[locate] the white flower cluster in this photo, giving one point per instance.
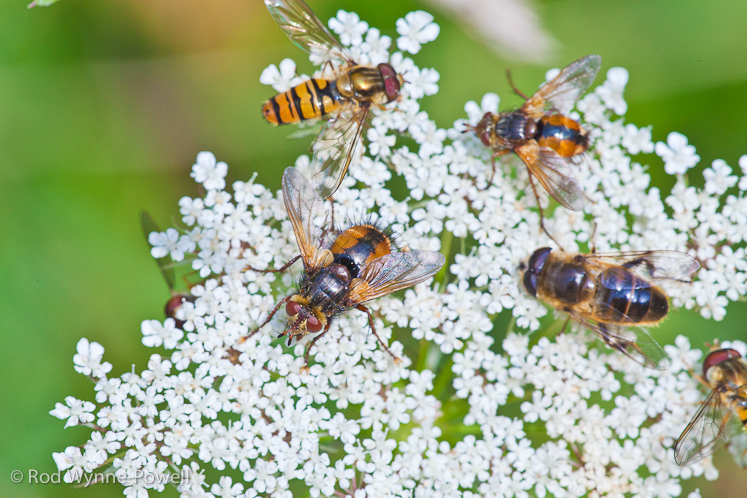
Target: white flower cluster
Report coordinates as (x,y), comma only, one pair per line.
(471,410)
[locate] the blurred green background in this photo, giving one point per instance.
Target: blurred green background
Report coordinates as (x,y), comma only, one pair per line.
(104,106)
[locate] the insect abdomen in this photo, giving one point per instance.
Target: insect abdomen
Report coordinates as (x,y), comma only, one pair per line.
(358,245)
(631,300)
(311,99)
(563,135)
(567,283)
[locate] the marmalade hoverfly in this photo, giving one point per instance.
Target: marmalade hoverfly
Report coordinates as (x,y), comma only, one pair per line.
(348,96)
(723,413)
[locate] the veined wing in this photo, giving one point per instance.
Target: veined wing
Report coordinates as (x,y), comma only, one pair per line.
(302,204)
(562,92)
(305,29)
(554,173)
(164,264)
(393,272)
(651,267)
(631,340)
(334,148)
(705,433)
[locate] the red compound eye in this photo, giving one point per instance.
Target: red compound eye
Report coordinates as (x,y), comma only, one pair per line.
(313,324)
(717,357)
(292,308)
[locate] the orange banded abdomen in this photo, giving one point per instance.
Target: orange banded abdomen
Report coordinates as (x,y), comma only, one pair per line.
(311,99)
(359,245)
(564,135)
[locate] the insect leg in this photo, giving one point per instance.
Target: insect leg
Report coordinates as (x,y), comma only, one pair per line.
(562,330)
(373,329)
(331,226)
(496,154)
(242,340)
(542,214)
(513,87)
(311,344)
(281,269)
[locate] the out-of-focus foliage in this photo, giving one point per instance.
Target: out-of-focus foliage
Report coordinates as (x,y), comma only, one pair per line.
(104,105)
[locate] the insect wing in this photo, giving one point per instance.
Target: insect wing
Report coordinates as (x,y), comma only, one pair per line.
(651,267)
(393,272)
(631,340)
(302,205)
(554,173)
(164,264)
(334,149)
(305,29)
(562,92)
(705,433)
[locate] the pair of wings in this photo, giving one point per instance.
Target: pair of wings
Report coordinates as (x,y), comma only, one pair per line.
(379,277)
(710,427)
(558,96)
(335,145)
(651,268)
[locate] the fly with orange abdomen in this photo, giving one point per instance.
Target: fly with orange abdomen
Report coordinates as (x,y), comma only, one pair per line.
(541,134)
(356,266)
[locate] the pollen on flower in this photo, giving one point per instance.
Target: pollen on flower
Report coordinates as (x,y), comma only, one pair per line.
(487,399)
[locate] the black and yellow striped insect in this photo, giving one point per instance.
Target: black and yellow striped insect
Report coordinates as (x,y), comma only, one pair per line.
(357,265)
(612,294)
(347,95)
(723,413)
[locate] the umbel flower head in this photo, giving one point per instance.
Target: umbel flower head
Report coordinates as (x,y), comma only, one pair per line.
(473,409)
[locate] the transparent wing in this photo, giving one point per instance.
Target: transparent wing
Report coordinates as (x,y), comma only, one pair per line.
(305,29)
(164,264)
(651,267)
(302,204)
(334,149)
(631,340)
(393,272)
(562,92)
(554,173)
(705,433)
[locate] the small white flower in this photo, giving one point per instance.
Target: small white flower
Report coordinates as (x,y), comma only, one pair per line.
(76,412)
(611,91)
(678,156)
(349,27)
(88,359)
(156,334)
(282,79)
(209,172)
(415,29)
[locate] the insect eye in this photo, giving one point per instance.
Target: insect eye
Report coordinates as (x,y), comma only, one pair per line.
(292,308)
(313,324)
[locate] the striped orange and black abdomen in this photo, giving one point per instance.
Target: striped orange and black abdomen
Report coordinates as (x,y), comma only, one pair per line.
(359,245)
(626,298)
(311,99)
(563,135)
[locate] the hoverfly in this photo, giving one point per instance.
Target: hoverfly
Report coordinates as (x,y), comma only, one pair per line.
(166,266)
(348,96)
(612,294)
(357,266)
(723,411)
(542,136)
